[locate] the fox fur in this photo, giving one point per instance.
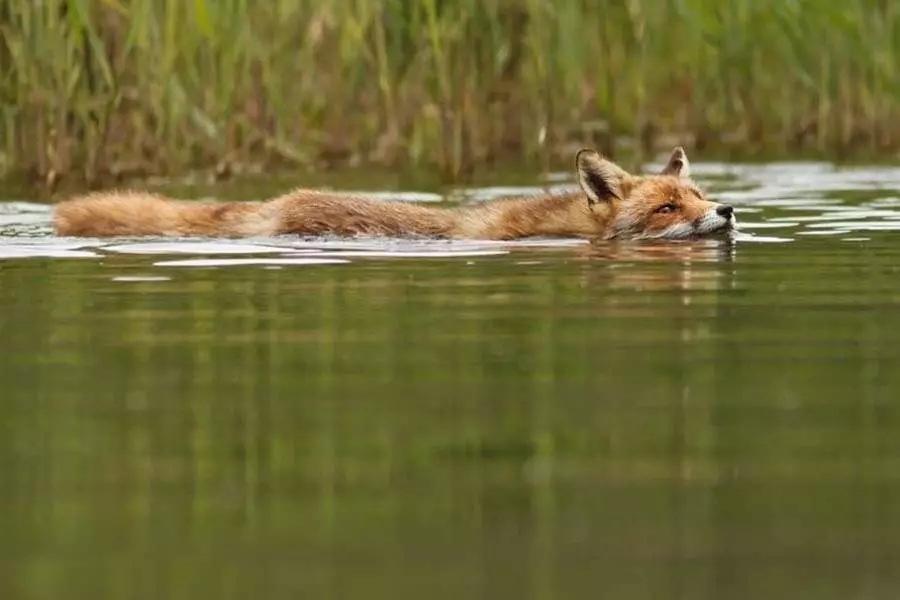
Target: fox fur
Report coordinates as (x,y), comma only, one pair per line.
(609,203)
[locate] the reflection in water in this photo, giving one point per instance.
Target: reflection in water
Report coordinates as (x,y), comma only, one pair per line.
(661,265)
(661,251)
(341,418)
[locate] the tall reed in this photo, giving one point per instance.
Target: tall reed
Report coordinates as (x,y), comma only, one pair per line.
(98,89)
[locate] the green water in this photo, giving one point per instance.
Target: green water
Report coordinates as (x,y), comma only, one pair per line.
(395,420)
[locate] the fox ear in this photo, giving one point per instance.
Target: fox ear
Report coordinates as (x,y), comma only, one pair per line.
(677,164)
(601,179)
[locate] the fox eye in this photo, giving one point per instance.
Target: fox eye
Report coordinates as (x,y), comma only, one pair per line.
(666,208)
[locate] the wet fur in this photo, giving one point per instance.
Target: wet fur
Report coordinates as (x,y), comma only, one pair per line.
(610,204)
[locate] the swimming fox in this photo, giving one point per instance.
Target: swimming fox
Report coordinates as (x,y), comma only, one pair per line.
(610,204)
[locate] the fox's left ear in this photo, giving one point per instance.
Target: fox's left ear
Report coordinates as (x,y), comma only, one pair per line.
(600,178)
(677,164)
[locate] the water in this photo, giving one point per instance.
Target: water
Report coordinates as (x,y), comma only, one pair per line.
(337,419)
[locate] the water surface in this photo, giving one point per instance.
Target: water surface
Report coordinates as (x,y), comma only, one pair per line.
(284,418)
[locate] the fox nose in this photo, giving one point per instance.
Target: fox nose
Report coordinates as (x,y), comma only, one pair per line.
(725,211)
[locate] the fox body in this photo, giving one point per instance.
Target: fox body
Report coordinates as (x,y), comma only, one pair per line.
(610,203)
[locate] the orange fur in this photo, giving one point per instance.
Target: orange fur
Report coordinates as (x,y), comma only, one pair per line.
(611,203)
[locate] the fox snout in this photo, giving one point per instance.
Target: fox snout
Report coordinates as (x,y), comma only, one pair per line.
(718,218)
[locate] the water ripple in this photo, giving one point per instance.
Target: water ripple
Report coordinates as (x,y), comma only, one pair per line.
(191,247)
(232,262)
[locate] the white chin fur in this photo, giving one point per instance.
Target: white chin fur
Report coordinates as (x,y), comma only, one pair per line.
(709,223)
(678,231)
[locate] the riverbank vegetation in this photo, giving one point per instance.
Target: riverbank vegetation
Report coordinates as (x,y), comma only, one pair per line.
(99,90)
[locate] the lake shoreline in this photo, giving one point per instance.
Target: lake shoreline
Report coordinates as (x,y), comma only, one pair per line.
(126,91)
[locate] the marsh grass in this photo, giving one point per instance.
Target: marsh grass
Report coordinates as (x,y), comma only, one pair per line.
(99,89)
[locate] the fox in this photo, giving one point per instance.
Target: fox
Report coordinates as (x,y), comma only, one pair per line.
(608,203)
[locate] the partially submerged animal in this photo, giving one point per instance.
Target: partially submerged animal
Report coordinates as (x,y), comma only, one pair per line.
(610,204)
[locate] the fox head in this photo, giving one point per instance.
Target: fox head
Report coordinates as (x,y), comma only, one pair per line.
(666,205)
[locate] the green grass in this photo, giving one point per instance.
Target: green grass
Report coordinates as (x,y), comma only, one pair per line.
(92,90)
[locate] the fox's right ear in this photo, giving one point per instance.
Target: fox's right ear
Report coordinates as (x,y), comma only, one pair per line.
(677,164)
(601,179)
